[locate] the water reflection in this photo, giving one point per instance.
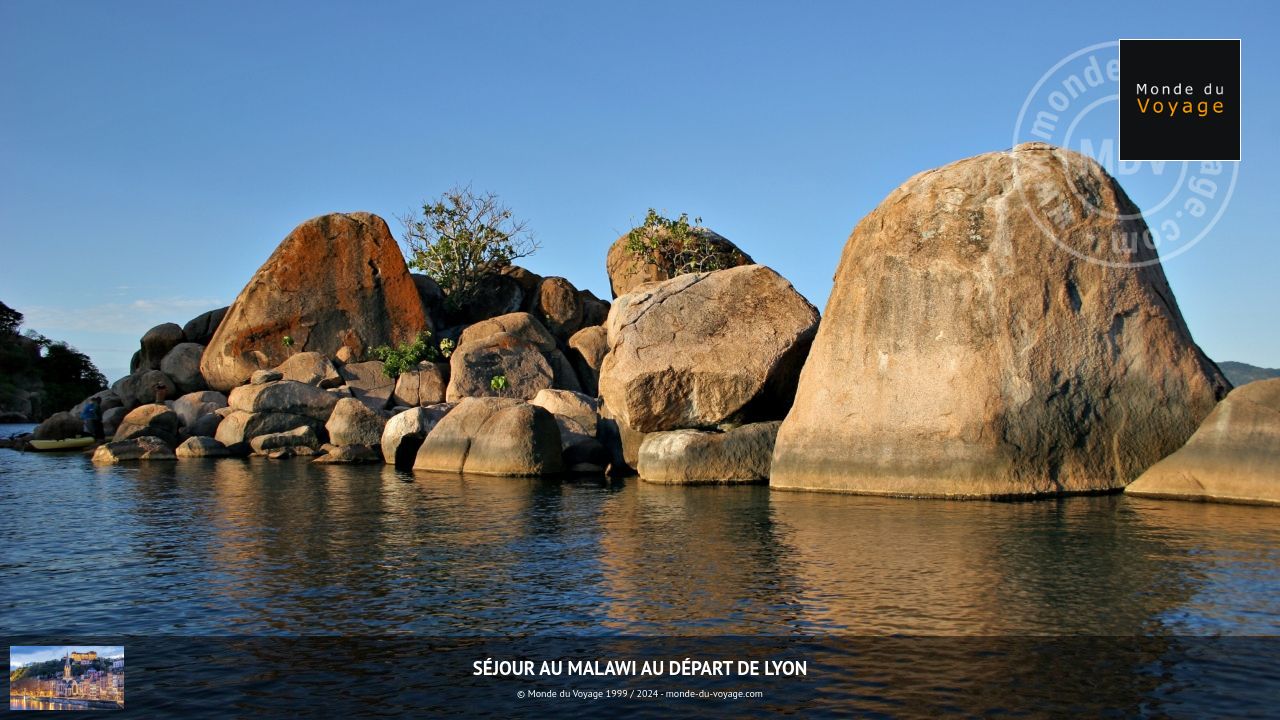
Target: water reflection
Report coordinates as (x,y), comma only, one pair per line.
(215,547)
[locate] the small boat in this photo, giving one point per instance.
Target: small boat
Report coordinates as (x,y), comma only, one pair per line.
(53,445)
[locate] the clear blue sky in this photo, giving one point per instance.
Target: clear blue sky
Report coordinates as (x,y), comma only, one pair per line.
(152,154)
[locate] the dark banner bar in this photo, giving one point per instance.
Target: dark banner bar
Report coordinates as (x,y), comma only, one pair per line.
(662,677)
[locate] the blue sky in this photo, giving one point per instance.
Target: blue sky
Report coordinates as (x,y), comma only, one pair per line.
(20,655)
(152,154)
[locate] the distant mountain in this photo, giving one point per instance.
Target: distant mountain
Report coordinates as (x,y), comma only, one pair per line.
(1240,373)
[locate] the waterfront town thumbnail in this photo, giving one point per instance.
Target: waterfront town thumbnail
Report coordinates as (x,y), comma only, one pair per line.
(81,679)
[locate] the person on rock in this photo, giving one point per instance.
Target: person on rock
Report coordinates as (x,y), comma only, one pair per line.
(92,417)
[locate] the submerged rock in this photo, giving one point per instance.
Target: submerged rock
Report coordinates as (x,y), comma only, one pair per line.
(138,448)
(965,354)
(686,457)
(201,447)
(1233,457)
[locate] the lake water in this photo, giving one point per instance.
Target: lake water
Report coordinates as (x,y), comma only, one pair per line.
(284,548)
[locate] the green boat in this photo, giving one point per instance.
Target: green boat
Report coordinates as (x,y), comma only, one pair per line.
(55,445)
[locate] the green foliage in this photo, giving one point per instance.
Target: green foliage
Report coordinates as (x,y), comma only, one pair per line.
(677,246)
(406,356)
(497,383)
(446,347)
(287,340)
(462,238)
(59,375)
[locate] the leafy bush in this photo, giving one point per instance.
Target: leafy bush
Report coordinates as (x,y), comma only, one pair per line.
(462,238)
(406,356)
(498,383)
(677,246)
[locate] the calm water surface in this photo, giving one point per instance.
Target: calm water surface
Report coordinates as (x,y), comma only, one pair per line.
(259,547)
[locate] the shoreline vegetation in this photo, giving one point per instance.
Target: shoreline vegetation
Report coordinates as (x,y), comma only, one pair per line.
(960,355)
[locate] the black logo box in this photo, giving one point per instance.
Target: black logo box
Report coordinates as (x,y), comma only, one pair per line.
(1180,65)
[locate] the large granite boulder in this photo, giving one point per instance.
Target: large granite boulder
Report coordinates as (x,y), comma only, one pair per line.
(337,281)
(298,437)
(152,420)
(627,270)
(520,324)
(493,436)
(705,349)
(141,387)
(138,448)
(312,368)
(964,353)
(182,366)
(200,329)
(156,343)
(594,310)
(582,410)
(404,433)
(587,349)
(559,305)
(241,427)
(368,383)
(354,423)
(424,385)
(1233,457)
(694,457)
(474,365)
(201,447)
(59,426)
(193,406)
(284,396)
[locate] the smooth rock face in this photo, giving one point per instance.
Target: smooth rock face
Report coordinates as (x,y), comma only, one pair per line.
(312,368)
(1233,457)
(241,427)
(520,324)
(965,354)
(627,271)
(337,281)
(493,436)
(182,365)
(580,408)
(201,447)
(558,304)
(353,423)
(404,433)
(298,437)
(425,385)
(348,455)
(156,343)
(687,457)
(368,383)
(707,348)
(59,426)
(284,396)
(139,448)
(140,387)
(193,406)
(200,329)
(473,365)
(587,349)
(150,421)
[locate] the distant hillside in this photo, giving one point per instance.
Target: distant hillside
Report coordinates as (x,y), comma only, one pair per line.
(1240,373)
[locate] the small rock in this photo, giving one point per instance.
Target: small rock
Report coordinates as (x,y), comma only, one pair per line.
(201,447)
(262,377)
(138,448)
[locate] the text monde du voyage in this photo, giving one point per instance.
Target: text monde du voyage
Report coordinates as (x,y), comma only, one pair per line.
(1180,99)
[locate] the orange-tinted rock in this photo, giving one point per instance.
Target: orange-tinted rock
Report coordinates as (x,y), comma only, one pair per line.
(337,281)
